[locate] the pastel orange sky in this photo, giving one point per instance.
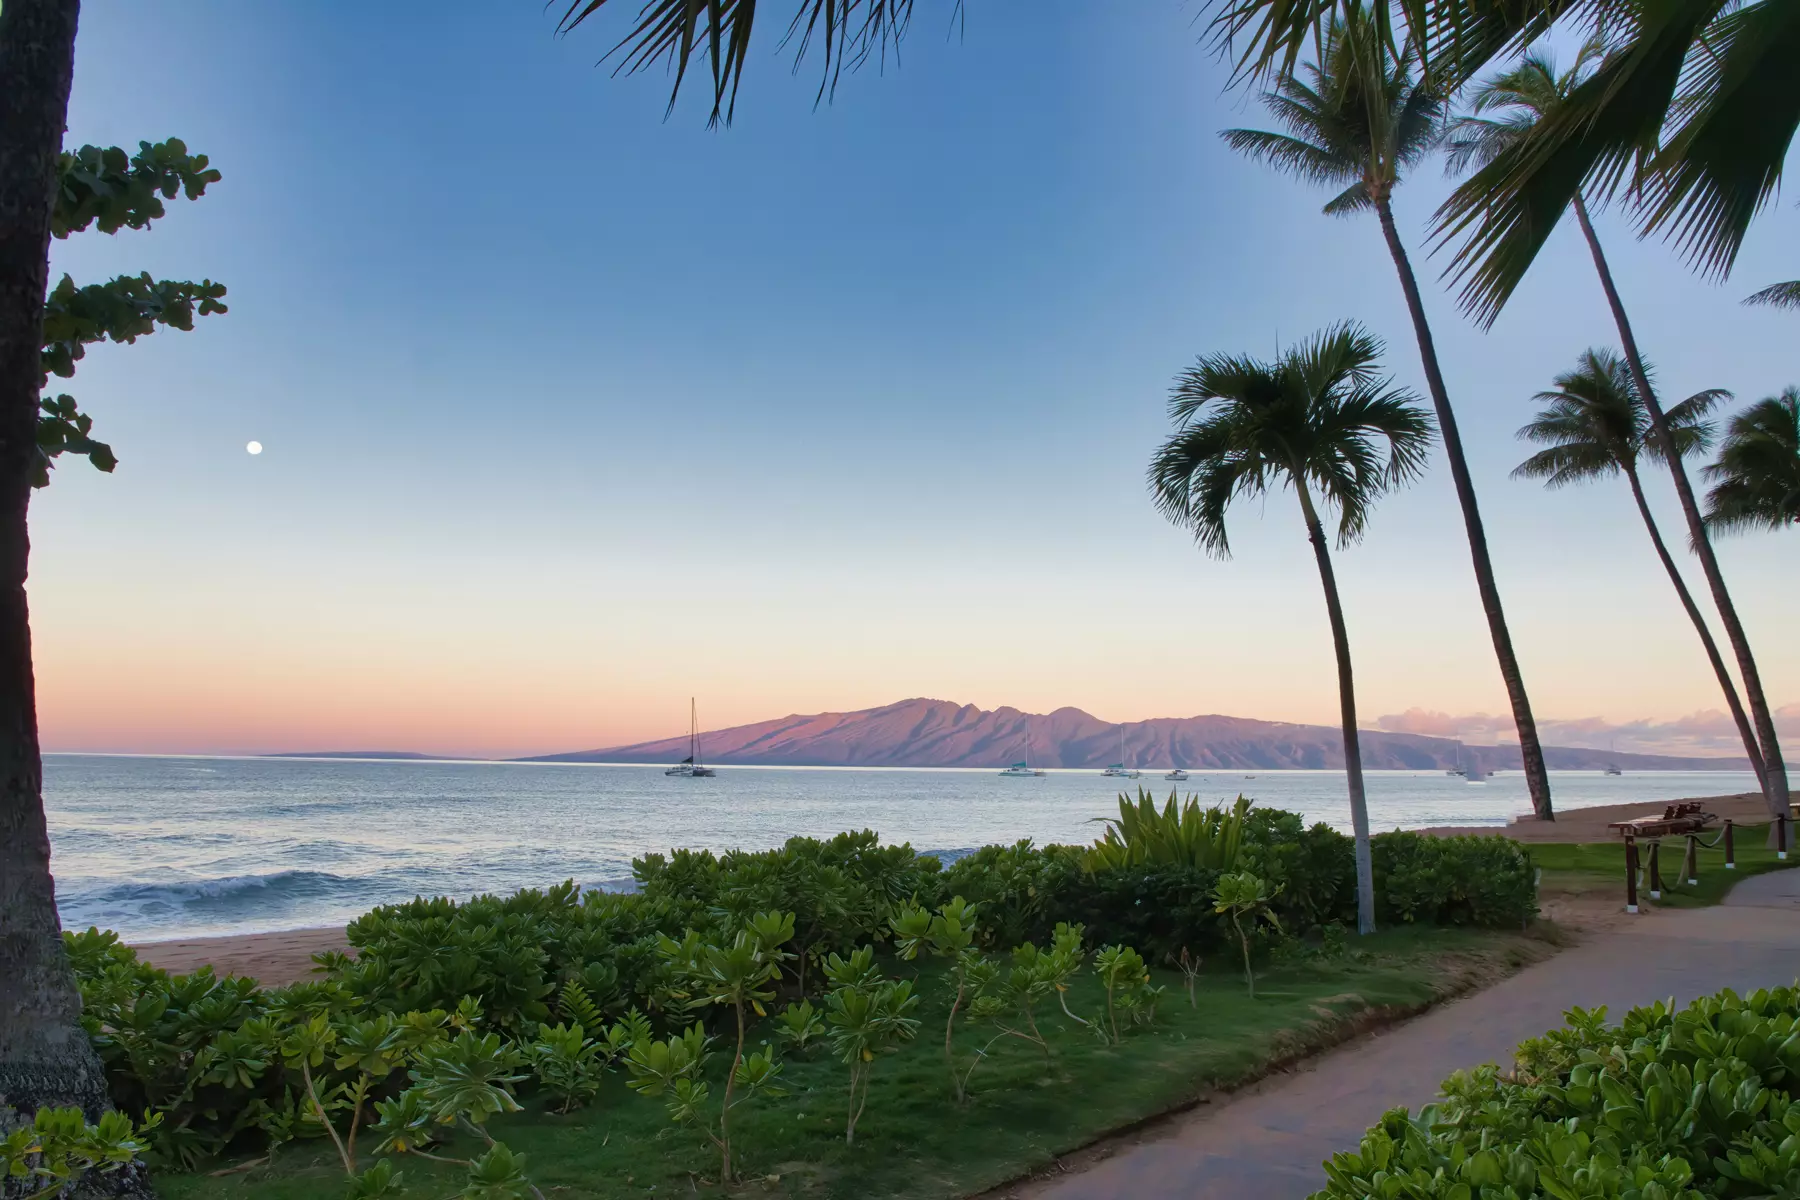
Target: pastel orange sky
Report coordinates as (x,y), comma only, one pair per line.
(550,450)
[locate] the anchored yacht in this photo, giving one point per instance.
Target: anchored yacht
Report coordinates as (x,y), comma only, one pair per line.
(690,767)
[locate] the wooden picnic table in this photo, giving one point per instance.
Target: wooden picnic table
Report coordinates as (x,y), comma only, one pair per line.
(1675,819)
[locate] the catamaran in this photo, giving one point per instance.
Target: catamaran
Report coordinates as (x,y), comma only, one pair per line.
(1177,774)
(690,767)
(1020,771)
(1119,770)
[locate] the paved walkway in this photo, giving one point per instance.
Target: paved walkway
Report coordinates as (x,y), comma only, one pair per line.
(1268,1141)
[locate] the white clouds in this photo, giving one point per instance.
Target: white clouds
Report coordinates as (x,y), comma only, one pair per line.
(1709,731)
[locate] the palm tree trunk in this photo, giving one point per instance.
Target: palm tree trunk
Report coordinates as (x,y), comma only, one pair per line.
(1353,770)
(1775,782)
(1706,638)
(45,1058)
(1537,779)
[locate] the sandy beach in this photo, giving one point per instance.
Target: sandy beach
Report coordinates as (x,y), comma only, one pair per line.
(1590,824)
(274,959)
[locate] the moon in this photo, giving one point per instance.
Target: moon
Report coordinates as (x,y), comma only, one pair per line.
(254,447)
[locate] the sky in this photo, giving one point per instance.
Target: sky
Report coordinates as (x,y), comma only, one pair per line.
(572,412)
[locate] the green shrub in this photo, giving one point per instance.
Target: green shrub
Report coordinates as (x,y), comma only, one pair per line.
(1162,910)
(1312,869)
(568,981)
(1020,888)
(1484,881)
(1685,1104)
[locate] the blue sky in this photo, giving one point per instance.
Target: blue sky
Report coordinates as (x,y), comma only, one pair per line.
(572,411)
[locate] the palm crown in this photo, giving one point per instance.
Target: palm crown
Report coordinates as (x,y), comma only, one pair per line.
(1595,424)
(1358,118)
(1756,482)
(1319,417)
(1518,100)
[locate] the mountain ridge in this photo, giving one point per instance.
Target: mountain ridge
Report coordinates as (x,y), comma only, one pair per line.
(923,732)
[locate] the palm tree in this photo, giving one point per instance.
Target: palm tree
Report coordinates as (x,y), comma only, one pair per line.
(1359,121)
(1756,482)
(1594,425)
(1316,419)
(1525,99)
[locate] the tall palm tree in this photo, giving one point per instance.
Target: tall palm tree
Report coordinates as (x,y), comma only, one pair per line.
(1318,419)
(1756,482)
(1359,120)
(1594,425)
(1523,100)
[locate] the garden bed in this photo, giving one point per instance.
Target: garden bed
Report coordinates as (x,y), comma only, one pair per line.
(913,1141)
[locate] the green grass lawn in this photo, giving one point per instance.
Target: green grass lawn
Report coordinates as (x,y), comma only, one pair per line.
(913,1140)
(1598,868)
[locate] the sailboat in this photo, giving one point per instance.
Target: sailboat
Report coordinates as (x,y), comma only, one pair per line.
(690,767)
(1119,770)
(1473,772)
(1022,769)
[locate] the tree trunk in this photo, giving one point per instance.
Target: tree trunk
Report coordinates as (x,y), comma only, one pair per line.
(1530,751)
(1359,804)
(1706,638)
(1775,782)
(45,1058)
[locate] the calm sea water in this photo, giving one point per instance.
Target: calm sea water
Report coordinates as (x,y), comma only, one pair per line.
(162,848)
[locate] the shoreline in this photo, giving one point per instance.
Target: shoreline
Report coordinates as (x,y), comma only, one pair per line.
(284,957)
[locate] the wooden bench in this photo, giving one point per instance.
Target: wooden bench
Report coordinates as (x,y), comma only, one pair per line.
(1686,817)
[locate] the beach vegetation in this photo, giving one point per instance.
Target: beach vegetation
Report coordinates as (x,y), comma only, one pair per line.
(1682,1103)
(1243,897)
(868,1016)
(1130,996)
(949,934)
(634,1000)
(1187,836)
(60,1148)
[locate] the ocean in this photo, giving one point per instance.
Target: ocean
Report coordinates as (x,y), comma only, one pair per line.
(161,847)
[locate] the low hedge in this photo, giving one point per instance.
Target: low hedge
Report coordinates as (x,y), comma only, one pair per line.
(1691,1104)
(1024,890)
(1485,881)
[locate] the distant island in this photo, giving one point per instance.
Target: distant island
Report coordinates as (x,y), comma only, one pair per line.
(941,733)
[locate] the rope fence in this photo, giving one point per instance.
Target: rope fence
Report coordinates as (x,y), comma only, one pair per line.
(1648,868)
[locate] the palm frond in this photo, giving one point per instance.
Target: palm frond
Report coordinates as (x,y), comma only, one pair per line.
(1740,108)
(1603,132)
(1560,466)
(1780,295)
(1756,482)
(670,33)
(1315,164)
